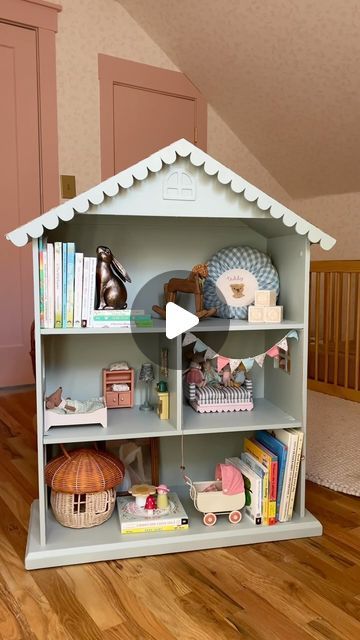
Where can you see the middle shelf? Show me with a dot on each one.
(133, 423)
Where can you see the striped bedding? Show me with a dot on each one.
(225, 395)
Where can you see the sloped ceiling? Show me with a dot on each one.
(283, 74)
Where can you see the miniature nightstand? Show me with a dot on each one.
(118, 399)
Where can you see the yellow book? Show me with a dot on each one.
(151, 529)
(269, 460)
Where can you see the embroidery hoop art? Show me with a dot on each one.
(235, 273)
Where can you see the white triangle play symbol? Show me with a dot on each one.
(178, 320)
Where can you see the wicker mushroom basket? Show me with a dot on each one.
(83, 486)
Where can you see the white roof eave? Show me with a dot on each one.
(140, 171)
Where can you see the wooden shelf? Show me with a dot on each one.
(68, 546)
(122, 424)
(265, 415)
(209, 324)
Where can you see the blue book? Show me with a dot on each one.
(64, 280)
(280, 450)
(70, 284)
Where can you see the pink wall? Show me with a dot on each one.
(89, 27)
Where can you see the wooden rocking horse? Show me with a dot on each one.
(192, 284)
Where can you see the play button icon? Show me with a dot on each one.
(178, 320)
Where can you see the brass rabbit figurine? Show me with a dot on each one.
(110, 276)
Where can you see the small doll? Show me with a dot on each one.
(194, 372)
(226, 376)
(162, 496)
(211, 376)
(238, 376)
(57, 403)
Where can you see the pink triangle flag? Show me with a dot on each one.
(260, 359)
(273, 352)
(222, 362)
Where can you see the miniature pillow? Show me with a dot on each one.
(120, 387)
(119, 366)
(235, 273)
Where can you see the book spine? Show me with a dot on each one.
(152, 529)
(285, 498)
(280, 450)
(79, 261)
(265, 460)
(92, 289)
(58, 284)
(294, 480)
(41, 283)
(64, 283)
(85, 294)
(51, 285)
(253, 489)
(46, 297)
(70, 276)
(264, 476)
(120, 313)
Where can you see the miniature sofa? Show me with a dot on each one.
(210, 399)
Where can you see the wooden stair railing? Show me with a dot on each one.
(334, 328)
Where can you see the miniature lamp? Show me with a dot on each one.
(147, 376)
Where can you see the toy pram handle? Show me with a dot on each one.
(192, 489)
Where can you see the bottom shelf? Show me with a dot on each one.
(75, 546)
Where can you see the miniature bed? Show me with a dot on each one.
(211, 399)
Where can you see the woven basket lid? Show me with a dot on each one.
(84, 471)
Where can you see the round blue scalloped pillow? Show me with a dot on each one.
(234, 275)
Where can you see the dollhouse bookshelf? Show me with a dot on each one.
(177, 231)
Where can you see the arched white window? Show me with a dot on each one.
(179, 185)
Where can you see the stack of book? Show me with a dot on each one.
(134, 519)
(270, 466)
(68, 291)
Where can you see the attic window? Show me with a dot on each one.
(179, 185)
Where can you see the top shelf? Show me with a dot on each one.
(159, 326)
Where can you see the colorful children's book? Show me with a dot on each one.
(300, 439)
(64, 283)
(134, 519)
(70, 281)
(290, 440)
(253, 489)
(50, 287)
(263, 474)
(280, 450)
(58, 284)
(269, 460)
(92, 290)
(85, 293)
(79, 262)
(42, 243)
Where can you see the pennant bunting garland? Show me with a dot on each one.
(222, 361)
(292, 334)
(234, 363)
(248, 363)
(260, 359)
(200, 346)
(188, 339)
(283, 344)
(273, 352)
(210, 354)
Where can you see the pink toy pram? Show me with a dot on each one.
(224, 495)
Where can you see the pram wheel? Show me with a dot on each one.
(235, 517)
(209, 519)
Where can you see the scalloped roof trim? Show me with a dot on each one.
(154, 163)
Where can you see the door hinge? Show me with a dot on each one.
(195, 134)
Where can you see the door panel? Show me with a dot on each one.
(145, 121)
(20, 196)
(144, 108)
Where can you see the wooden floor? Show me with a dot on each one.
(283, 590)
